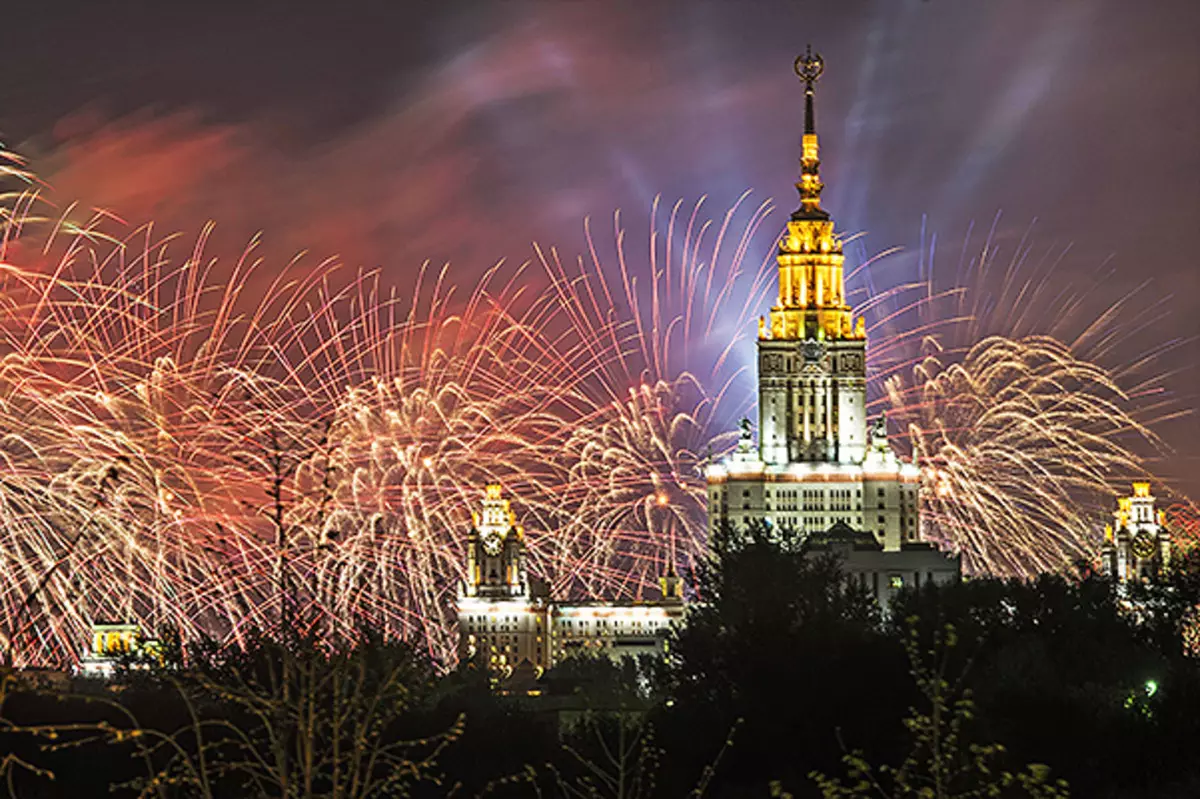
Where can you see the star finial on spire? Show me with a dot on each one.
(809, 68)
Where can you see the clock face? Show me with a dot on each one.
(491, 544)
(813, 351)
(1143, 545)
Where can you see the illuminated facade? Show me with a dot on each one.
(818, 464)
(1137, 545)
(818, 467)
(509, 619)
(111, 641)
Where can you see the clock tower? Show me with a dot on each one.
(496, 552)
(1137, 546)
(820, 468)
(516, 629)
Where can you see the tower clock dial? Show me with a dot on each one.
(491, 544)
(1143, 545)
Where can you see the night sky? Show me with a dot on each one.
(390, 133)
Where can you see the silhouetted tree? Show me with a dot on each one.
(778, 638)
(1073, 672)
(943, 762)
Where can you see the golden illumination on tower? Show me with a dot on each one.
(812, 301)
(497, 517)
(1124, 507)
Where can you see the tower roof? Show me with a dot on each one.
(812, 296)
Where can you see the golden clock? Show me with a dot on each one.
(491, 544)
(1143, 545)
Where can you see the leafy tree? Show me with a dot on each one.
(943, 762)
(1072, 672)
(616, 756)
(284, 718)
(778, 638)
(1167, 609)
(601, 683)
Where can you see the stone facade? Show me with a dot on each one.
(511, 621)
(819, 465)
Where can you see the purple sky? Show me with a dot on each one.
(390, 133)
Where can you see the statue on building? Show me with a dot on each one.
(879, 435)
(746, 439)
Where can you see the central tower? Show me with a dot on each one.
(817, 464)
(811, 351)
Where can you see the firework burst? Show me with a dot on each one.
(179, 454)
(677, 330)
(1010, 437)
(1023, 435)
(214, 448)
(1183, 522)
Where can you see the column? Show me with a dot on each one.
(829, 406)
(805, 406)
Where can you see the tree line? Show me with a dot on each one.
(786, 681)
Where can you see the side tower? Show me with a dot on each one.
(500, 618)
(496, 552)
(1137, 546)
(811, 350)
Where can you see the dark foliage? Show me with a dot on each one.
(780, 641)
(1074, 673)
(783, 669)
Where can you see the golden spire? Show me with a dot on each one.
(809, 68)
(812, 302)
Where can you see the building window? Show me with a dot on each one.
(896, 581)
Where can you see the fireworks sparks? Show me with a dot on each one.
(1183, 522)
(1021, 433)
(179, 453)
(1010, 439)
(672, 386)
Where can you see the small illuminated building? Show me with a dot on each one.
(819, 467)
(110, 642)
(1137, 545)
(512, 622)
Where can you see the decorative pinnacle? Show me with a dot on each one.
(809, 68)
